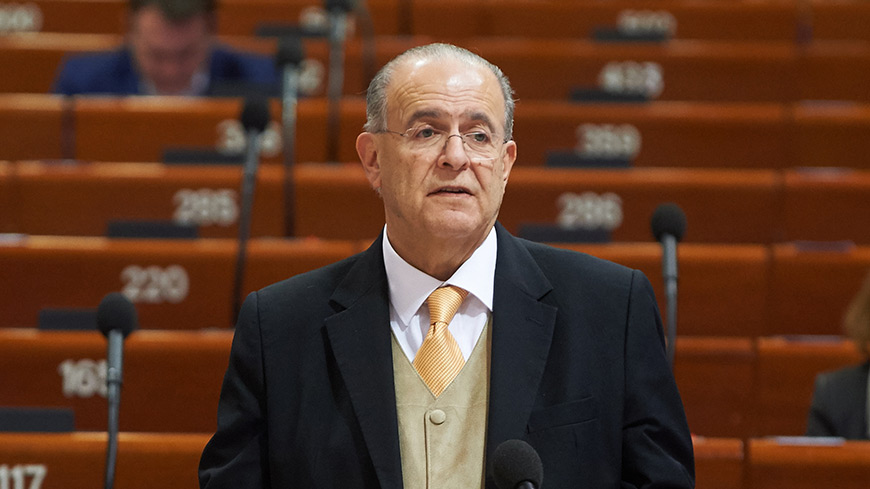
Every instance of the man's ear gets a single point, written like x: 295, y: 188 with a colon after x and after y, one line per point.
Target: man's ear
x: 510, y: 156
x: 367, y: 149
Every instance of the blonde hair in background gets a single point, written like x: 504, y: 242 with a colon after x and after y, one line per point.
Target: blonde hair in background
x: 856, y: 321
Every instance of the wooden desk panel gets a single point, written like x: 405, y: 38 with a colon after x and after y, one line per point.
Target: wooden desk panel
x: 721, y: 206
x: 723, y: 288
x: 715, y: 377
x: 786, y: 371
x: 33, y: 126
x: 843, y: 20
x: 737, y: 21
x: 175, y: 284
x: 172, y: 379
x: 830, y: 205
x: 834, y: 70
x: 80, y: 199
x: 671, y: 134
x: 831, y: 135
x: 140, y: 129
x: 36, y: 57
x: 66, y: 460
x: 811, y: 285
x: 773, y: 465
x: 690, y: 70
x: 718, y: 463
x: 8, y: 210
x: 239, y: 18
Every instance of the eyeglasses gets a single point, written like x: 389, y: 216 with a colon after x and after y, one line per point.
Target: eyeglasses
x: 425, y: 138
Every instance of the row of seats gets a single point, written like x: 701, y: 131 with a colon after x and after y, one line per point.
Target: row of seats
x: 725, y: 290
x: 666, y: 134
x: 779, y: 20
x: 720, y: 71
x: 337, y: 202
x: 732, y: 387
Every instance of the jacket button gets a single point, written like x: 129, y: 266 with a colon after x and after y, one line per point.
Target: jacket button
x: 437, y: 416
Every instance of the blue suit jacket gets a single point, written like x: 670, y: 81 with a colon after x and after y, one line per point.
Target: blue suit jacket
x: 113, y: 72
x: 578, y: 370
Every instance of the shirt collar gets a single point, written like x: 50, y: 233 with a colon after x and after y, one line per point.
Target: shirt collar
x: 409, y: 287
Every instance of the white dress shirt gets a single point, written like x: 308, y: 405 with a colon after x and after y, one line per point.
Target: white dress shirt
x: 410, y: 287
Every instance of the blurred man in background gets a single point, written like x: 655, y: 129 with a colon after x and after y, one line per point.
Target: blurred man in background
x: 170, y: 50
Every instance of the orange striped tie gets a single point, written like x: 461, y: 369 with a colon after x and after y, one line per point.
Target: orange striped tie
x: 439, y: 358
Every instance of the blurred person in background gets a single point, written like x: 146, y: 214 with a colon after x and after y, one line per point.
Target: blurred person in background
x: 170, y: 49
x: 840, y: 405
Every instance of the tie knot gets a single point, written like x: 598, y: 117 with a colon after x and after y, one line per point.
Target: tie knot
x: 444, y: 302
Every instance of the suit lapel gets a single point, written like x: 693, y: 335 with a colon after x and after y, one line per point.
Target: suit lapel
x: 360, y: 339
x: 521, y: 337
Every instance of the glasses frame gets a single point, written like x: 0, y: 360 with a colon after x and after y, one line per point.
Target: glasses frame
x: 462, y: 136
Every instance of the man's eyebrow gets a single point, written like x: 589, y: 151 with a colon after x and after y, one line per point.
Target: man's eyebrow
x: 474, y: 116
x: 424, y: 114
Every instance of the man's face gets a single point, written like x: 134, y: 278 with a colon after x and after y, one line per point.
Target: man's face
x: 168, y: 54
x: 448, y: 191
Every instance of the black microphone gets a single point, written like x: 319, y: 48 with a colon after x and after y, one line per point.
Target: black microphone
x: 337, y: 11
x: 116, y: 318
x: 668, y: 226
x: 255, y: 117
x: 516, y: 465
x: 289, y: 58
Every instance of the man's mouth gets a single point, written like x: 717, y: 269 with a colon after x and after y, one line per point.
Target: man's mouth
x: 450, y: 190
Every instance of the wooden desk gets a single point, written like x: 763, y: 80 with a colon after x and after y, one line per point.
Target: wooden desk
x: 65, y: 460
x: 827, y: 205
x: 172, y: 379
x: 834, y: 70
x: 715, y: 377
x: 722, y: 287
x: 141, y: 128
x: 8, y: 213
x: 811, y: 285
x: 175, y: 284
x: 786, y: 371
x: 721, y: 206
x: 234, y: 17
x: 773, y: 465
x: 667, y: 134
x: 843, y: 20
x: 34, y: 126
x: 687, y: 70
x: 80, y: 199
x: 718, y: 463
x: 831, y: 134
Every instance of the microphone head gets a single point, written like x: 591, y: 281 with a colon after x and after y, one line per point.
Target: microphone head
x: 290, y: 51
x: 116, y: 312
x: 339, y: 5
x: 515, y: 461
x: 255, y: 114
x: 668, y: 219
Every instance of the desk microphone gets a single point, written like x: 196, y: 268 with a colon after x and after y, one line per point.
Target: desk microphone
x: 289, y: 58
x: 255, y: 117
x: 668, y: 226
x: 516, y: 465
x: 337, y: 11
x: 116, y: 318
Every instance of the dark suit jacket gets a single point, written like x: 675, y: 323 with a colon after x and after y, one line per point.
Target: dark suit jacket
x: 114, y: 73
x: 839, y: 406
x: 578, y: 370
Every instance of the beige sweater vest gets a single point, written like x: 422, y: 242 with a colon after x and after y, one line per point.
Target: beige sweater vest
x: 443, y: 439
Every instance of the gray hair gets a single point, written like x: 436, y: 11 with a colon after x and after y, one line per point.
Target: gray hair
x: 376, y: 96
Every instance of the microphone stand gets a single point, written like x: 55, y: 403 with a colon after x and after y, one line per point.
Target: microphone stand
x: 669, y: 272
x: 114, y: 361
x: 258, y: 111
x: 337, y: 10
x: 290, y: 56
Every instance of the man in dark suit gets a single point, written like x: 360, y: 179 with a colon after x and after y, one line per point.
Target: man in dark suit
x: 557, y: 348
x: 170, y: 50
